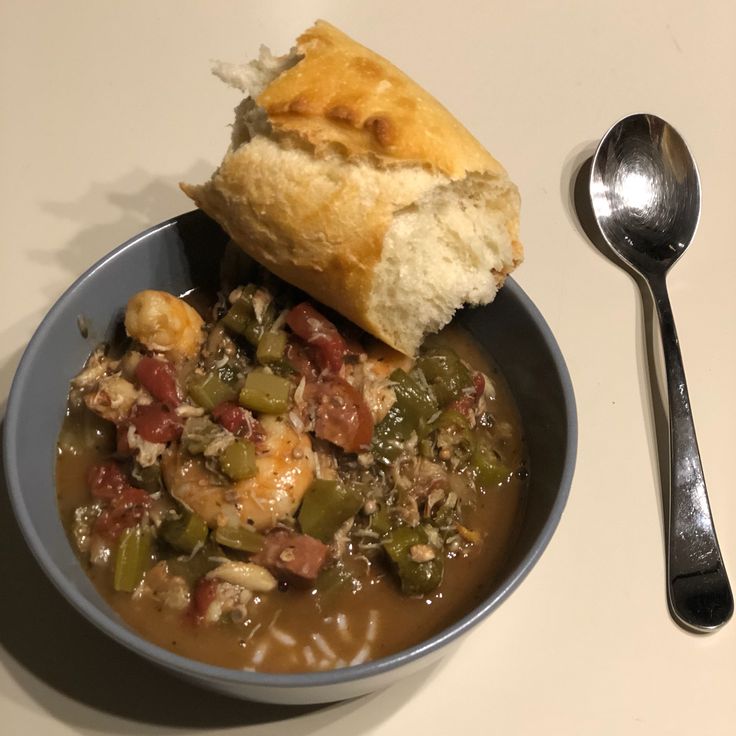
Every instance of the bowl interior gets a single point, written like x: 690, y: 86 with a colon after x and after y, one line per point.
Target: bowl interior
x: 184, y: 253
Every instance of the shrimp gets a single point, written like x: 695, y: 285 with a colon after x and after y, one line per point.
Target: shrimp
x: 164, y: 323
x: 284, y: 472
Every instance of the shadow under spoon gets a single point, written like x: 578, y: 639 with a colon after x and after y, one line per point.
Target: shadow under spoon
x: 645, y: 195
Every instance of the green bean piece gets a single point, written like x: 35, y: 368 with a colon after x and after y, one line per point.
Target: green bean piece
x: 452, y: 421
x: 453, y: 430
x: 228, y: 374
x: 241, y: 312
x: 210, y: 390
x: 413, y: 397
x: 238, y: 460
x: 265, y: 392
x: 239, y: 537
x: 282, y: 368
x: 390, y: 434
x: 326, y: 505
x: 271, y: 347
x: 192, y: 568
x: 238, y: 316
x: 186, y: 532
x: 381, y: 521
x: 132, y: 558
x: 331, y: 583
x: 148, y: 478
x: 487, y: 470
x: 444, y: 516
x: 445, y: 373
x: 241, y: 317
x: 417, y: 578
x: 426, y: 449
x: 332, y: 578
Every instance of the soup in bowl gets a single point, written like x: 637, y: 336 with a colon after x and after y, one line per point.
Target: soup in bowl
x: 265, y: 500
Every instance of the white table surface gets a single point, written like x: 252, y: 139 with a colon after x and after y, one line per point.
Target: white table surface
x: 105, y: 106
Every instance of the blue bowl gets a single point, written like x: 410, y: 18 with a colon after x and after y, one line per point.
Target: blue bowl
x: 183, y: 253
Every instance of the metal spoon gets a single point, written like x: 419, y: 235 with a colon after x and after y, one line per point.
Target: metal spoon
x: 645, y: 194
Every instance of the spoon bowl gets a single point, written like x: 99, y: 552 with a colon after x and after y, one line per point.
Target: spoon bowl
x: 645, y: 195
x: 645, y: 192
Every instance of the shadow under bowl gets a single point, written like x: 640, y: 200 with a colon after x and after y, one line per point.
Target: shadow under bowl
x: 184, y: 253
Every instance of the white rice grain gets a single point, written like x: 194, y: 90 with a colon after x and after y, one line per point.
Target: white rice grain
x: 361, y: 656
x: 252, y: 633
x: 282, y: 637
x: 309, y: 657
x: 259, y: 654
x: 370, y: 633
x: 323, y: 646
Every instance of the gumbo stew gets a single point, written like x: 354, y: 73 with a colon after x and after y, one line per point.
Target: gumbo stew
x: 254, y: 484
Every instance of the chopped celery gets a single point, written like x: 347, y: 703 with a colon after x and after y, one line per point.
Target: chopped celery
x: 239, y: 537
x: 326, y: 505
x: 265, y: 392
x: 413, y: 397
x: 210, y: 390
x: 271, y: 347
x: 238, y: 460
x: 417, y: 578
x: 186, y: 532
x: 132, y: 558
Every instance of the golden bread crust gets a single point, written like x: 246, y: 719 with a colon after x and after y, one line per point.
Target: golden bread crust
x: 316, y: 223
x: 343, y: 94
x: 348, y: 146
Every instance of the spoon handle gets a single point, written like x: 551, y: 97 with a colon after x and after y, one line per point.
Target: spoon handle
x: 699, y: 593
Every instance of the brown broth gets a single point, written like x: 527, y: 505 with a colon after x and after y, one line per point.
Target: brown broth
x: 295, y: 630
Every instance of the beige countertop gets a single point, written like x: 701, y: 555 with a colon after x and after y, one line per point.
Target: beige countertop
x: 106, y: 106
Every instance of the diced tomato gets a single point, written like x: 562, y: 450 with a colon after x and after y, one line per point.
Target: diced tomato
x: 320, y: 333
x: 157, y: 377
x: 125, y: 510
x: 203, y: 594
x: 293, y: 555
x: 239, y: 421
x: 106, y: 480
x: 156, y: 423
x: 466, y: 403
x: 341, y: 415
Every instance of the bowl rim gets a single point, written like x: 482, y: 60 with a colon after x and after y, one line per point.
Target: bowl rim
x: 122, y: 634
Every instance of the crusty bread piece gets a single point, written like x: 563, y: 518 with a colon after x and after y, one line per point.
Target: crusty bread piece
x: 348, y: 180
